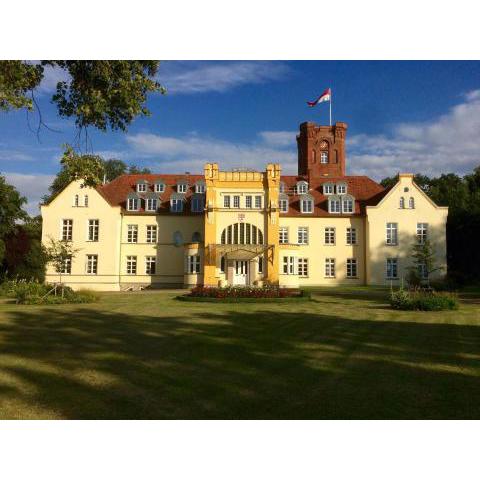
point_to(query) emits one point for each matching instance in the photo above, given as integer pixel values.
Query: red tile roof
(363, 189)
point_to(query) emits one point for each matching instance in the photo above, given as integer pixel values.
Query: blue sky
(402, 116)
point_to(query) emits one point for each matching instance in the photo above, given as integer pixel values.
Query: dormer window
(176, 203)
(133, 202)
(334, 205)
(411, 203)
(302, 188)
(182, 187)
(328, 189)
(341, 188)
(282, 187)
(306, 204)
(200, 186)
(283, 203)
(151, 203)
(159, 187)
(323, 157)
(142, 186)
(198, 203)
(348, 204)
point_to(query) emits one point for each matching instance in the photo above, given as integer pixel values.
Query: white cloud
(190, 153)
(15, 156)
(51, 76)
(198, 77)
(279, 138)
(450, 143)
(32, 186)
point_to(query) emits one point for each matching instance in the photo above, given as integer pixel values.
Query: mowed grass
(345, 355)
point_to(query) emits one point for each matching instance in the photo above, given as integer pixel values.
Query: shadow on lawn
(90, 364)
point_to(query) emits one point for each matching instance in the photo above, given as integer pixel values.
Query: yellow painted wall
(388, 210)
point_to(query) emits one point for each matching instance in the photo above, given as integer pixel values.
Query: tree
(424, 259)
(11, 211)
(133, 169)
(114, 168)
(99, 93)
(58, 253)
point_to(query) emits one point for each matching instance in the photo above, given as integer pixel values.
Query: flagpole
(330, 107)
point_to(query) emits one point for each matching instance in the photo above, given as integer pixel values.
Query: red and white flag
(324, 97)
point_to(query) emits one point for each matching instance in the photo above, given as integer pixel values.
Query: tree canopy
(96, 93)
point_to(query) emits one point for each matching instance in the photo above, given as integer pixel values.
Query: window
(150, 265)
(248, 201)
(341, 188)
(198, 203)
(302, 187)
(177, 238)
(241, 233)
(196, 237)
(67, 230)
(222, 264)
(200, 187)
(283, 235)
(93, 228)
(258, 201)
(306, 205)
(303, 267)
(283, 204)
(141, 187)
(133, 203)
(347, 205)
(193, 264)
(329, 235)
(226, 201)
(176, 205)
(76, 201)
(289, 265)
(334, 205)
(351, 268)
(85, 201)
(282, 187)
(422, 271)
(260, 264)
(131, 265)
(392, 268)
(151, 204)
(330, 267)
(323, 157)
(151, 234)
(236, 201)
(182, 188)
(159, 187)
(327, 189)
(66, 267)
(351, 236)
(392, 234)
(411, 203)
(92, 264)
(422, 232)
(132, 233)
(302, 236)
(402, 202)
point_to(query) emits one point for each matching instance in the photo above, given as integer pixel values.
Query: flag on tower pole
(326, 96)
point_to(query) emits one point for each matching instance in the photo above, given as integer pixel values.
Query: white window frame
(141, 187)
(258, 201)
(66, 230)
(283, 205)
(133, 204)
(330, 236)
(351, 205)
(303, 267)
(200, 187)
(248, 201)
(302, 188)
(283, 235)
(76, 200)
(352, 268)
(391, 266)
(91, 266)
(159, 187)
(302, 235)
(149, 261)
(151, 233)
(226, 201)
(330, 270)
(289, 264)
(85, 200)
(131, 265)
(193, 264)
(132, 233)
(328, 189)
(334, 205)
(66, 268)
(391, 234)
(422, 233)
(411, 203)
(341, 188)
(93, 229)
(236, 201)
(324, 156)
(306, 205)
(351, 236)
(182, 187)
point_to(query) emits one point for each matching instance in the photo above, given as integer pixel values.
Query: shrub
(246, 292)
(423, 300)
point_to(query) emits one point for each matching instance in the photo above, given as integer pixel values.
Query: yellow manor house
(242, 227)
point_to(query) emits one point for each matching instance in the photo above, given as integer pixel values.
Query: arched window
(196, 237)
(334, 204)
(411, 203)
(178, 238)
(314, 156)
(76, 200)
(85, 201)
(348, 204)
(402, 202)
(306, 204)
(242, 234)
(324, 157)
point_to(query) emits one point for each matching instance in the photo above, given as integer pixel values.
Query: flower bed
(423, 300)
(244, 294)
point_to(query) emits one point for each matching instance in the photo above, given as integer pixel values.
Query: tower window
(324, 157)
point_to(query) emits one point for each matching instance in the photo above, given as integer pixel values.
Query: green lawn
(148, 356)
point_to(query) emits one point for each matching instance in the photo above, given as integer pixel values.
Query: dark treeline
(462, 196)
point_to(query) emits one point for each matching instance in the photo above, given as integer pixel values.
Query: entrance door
(240, 276)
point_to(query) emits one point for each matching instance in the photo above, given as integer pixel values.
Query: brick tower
(321, 150)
